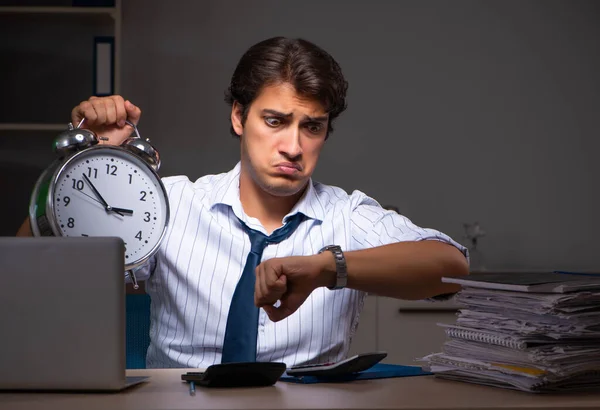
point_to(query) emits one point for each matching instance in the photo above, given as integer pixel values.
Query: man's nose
(290, 144)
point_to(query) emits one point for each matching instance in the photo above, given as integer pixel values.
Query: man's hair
(311, 70)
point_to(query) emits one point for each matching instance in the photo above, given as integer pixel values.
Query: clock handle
(137, 133)
(133, 279)
(78, 125)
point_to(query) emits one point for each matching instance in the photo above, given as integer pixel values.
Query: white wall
(458, 111)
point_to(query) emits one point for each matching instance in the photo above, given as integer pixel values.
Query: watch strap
(340, 266)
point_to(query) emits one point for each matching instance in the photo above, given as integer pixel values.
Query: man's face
(281, 139)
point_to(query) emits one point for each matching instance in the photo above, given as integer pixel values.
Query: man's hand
(291, 280)
(106, 116)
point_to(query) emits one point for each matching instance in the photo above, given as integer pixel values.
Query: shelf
(59, 10)
(32, 127)
(40, 52)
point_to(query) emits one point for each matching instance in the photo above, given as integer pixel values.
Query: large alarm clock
(103, 190)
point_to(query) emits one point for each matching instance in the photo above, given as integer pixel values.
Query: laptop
(62, 314)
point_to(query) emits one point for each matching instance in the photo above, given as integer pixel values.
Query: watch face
(106, 191)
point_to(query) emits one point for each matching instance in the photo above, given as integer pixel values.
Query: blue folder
(577, 273)
(378, 371)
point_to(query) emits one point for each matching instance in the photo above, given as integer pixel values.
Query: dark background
(459, 111)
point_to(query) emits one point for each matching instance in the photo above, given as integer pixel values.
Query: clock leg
(133, 279)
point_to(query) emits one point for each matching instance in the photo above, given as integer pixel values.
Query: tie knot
(259, 240)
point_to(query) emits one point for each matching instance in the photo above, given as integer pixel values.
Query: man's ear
(236, 118)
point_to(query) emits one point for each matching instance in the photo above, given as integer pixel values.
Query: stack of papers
(537, 332)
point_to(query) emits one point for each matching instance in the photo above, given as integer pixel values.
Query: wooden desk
(166, 391)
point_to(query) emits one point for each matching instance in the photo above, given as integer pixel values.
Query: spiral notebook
(499, 339)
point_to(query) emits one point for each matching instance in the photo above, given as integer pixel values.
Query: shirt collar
(227, 192)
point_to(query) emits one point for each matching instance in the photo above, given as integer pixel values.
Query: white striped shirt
(194, 274)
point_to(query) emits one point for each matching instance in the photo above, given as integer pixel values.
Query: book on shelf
(104, 68)
(542, 282)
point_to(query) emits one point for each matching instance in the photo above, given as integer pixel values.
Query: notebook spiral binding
(485, 338)
(555, 385)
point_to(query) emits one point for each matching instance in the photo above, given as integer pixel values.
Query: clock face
(110, 192)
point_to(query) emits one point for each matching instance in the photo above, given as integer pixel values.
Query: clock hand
(91, 197)
(102, 201)
(117, 210)
(122, 210)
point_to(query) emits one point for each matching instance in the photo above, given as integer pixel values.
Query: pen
(192, 388)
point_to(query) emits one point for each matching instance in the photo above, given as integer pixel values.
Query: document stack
(536, 332)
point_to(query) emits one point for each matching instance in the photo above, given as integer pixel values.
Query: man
(284, 96)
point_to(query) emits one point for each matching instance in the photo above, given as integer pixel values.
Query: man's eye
(272, 121)
(315, 128)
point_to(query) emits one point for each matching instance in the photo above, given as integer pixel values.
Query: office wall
(458, 111)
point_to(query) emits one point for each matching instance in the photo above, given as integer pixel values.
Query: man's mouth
(288, 168)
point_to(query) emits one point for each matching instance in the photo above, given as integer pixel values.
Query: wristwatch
(340, 266)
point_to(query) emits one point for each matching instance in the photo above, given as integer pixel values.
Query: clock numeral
(71, 223)
(143, 198)
(130, 177)
(139, 236)
(67, 200)
(92, 171)
(147, 218)
(111, 169)
(77, 184)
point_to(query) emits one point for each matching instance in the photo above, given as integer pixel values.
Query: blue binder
(379, 371)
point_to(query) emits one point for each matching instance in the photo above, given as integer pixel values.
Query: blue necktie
(242, 321)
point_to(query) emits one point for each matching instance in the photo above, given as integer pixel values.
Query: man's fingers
(121, 112)
(76, 114)
(100, 109)
(280, 284)
(83, 110)
(269, 287)
(271, 311)
(133, 112)
(111, 111)
(279, 313)
(260, 287)
(271, 294)
(289, 304)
